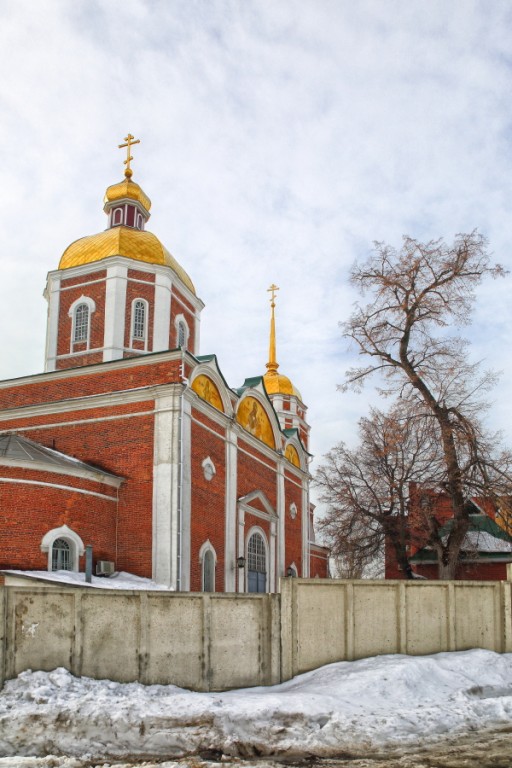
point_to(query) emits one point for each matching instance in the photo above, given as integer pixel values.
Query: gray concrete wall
(209, 642)
(323, 621)
(199, 641)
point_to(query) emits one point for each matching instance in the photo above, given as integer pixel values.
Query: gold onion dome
(279, 384)
(276, 383)
(122, 241)
(127, 189)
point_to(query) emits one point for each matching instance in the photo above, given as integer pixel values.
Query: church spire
(272, 364)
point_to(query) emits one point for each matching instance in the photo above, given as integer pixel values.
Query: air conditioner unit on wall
(105, 567)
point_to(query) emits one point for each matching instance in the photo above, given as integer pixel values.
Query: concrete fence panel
(426, 612)
(174, 648)
(219, 641)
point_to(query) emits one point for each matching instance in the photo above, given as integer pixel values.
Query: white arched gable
(64, 532)
(212, 373)
(303, 456)
(269, 410)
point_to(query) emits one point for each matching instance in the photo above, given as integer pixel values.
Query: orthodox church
(131, 442)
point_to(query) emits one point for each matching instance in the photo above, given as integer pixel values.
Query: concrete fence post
(506, 613)
(288, 640)
(3, 633)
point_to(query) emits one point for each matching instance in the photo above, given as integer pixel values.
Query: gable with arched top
(207, 382)
(294, 453)
(256, 415)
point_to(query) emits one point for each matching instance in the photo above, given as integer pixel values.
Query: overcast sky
(279, 139)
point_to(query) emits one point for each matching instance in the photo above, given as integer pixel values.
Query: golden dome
(122, 241)
(279, 384)
(127, 189)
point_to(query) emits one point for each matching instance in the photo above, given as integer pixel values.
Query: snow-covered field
(382, 702)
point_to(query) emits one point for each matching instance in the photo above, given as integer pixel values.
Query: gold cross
(129, 143)
(273, 288)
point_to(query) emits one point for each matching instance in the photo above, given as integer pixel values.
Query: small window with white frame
(64, 548)
(139, 320)
(81, 329)
(182, 332)
(117, 217)
(208, 559)
(80, 313)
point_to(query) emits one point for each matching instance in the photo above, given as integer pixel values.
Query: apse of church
(132, 442)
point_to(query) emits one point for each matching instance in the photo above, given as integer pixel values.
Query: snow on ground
(119, 580)
(386, 701)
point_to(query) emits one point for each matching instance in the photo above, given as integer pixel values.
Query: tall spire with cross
(272, 364)
(129, 142)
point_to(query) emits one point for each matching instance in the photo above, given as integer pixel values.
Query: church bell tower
(119, 293)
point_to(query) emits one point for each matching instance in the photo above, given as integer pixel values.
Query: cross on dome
(129, 142)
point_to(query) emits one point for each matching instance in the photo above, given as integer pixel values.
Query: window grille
(81, 331)
(139, 320)
(61, 555)
(256, 556)
(182, 334)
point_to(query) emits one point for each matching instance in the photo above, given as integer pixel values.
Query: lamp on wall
(240, 561)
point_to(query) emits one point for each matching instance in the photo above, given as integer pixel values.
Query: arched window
(208, 559)
(62, 555)
(208, 571)
(139, 320)
(140, 221)
(81, 327)
(182, 334)
(117, 217)
(256, 563)
(64, 548)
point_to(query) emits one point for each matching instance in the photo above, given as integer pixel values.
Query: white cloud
(278, 141)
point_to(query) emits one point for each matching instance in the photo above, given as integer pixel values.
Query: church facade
(132, 442)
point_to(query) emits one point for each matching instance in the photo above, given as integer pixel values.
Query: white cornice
(91, 370)
(89, 402)
(133, 264)
(96, 475)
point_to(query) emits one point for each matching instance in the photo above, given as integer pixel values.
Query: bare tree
(366, 490)
(415, 293)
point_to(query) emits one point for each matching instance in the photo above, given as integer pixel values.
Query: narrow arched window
(117, 217)
(256, 564)
(62, 555)
(81, 329)
(139, 320)
(208, 571)
(182, 334)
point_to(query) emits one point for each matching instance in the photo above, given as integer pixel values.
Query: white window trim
(177, 320)
(257, 529)
(72, 314)
(146, 323)
(77, 545)
(208, 547)
(122, 210)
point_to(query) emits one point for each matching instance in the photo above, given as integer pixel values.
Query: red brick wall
(139, 290)
(293, 528)
(50, 388)
(28, 512)
(180, 306)
(319, 565)
(124, 447)
(478, 571)
(207, 499)
(254, 476)
(96, 292)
